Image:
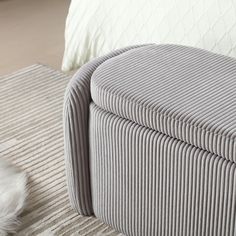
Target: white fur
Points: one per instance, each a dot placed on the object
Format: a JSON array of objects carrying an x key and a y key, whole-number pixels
[{"x": 13, "y": 194}]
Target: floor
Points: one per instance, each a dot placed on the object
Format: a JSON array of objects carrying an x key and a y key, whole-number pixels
[{"x": 31, "y": 31}]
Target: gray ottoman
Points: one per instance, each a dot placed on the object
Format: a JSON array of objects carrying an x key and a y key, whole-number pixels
[{"x": 150, "y": 141}]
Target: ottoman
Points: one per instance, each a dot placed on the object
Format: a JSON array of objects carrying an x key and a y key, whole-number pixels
[{"x": 150, "y": 141}]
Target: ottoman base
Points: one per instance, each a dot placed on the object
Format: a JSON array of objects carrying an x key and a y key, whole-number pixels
[{"x": 146, "y": 183}]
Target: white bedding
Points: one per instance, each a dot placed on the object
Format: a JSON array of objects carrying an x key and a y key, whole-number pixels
[{"x": 95, "y": 27}]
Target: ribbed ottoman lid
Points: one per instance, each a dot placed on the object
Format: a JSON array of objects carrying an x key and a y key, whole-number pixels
[{"x": 184, "y": 92}]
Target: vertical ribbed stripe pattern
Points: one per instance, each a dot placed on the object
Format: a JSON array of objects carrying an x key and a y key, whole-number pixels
[
  {"x": 185, "y": 92},
  {"x": 76, "y": 113},
  {"x": 147, "y": 183}
]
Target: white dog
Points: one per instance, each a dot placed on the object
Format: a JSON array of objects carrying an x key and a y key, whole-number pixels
[{"x": 13, "y": 194}]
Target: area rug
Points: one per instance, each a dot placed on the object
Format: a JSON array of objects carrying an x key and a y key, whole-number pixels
[{"x": 31, "y": 138}]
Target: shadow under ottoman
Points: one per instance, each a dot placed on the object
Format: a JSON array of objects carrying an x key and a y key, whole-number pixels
[{"x": 150, "y": 141}]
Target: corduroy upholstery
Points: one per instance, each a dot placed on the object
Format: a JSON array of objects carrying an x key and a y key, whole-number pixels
[
  {"x": 76, "y": 114},
  {"x": 160, "y": 155},
  {"x": 147, "y": 183}
]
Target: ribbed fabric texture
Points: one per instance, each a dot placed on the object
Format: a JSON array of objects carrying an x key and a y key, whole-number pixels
[
  {"x": 147, "y": 183},
  {"x": 187, "y": 93},
  {"x": 76, "y": 113},
  {"x": 162, "y": 141}
]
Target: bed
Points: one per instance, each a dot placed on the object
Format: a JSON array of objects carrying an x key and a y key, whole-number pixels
[{"x": 96, "y": 27}]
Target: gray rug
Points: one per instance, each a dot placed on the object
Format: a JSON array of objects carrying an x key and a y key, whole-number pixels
[{"x": 31, "y": 138}]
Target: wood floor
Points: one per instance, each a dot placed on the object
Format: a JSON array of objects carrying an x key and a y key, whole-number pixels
[{"x": 31, "y": 31}]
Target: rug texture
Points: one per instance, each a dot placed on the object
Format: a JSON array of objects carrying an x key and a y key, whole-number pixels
[{"x": 31, "y": 138}]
